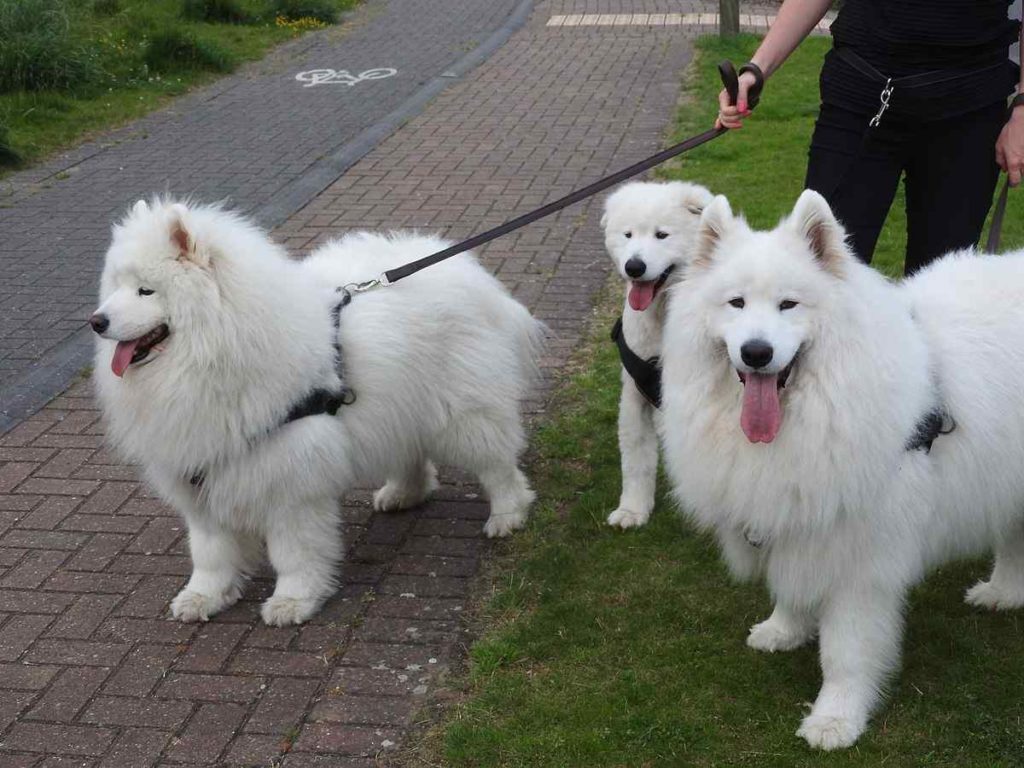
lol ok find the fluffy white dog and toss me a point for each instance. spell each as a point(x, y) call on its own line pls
point(649, 230)
point(215, 345)
point(802, 391)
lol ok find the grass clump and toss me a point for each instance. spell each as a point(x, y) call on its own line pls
point(220, 11)
point(106, 7)
point(325, 11)
point(174, 50)
point(9, 157)
point(39, 49)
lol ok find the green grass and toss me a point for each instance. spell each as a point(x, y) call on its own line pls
point(610, 648)
point(325, 11)
point(176, 50)
point(8, 157)
point(39, 48)
point(224, 11)
point(88, 65)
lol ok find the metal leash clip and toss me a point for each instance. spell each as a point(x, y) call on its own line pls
point(884, 96)
point(381, 281)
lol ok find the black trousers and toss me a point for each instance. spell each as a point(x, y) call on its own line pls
point(948, 165)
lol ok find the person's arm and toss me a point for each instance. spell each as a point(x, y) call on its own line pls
point(1010, 145)
point(795, 21)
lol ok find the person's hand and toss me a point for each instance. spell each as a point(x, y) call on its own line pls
point(731, 115)
point(1010, 146)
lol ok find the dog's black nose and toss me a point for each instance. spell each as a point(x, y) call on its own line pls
point(635, 267)
point(756, 353)
point(99, 322)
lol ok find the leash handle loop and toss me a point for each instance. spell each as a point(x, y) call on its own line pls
point(731, 81)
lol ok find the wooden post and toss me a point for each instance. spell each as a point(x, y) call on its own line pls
point(728, 18)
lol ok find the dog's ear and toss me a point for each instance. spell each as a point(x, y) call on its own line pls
point(182, 238)
point(140, 208)
point(813, 220)
point(714, 223)
point(696, 199)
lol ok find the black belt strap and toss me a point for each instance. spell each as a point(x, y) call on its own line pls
point(935, 77)
point(646, 374)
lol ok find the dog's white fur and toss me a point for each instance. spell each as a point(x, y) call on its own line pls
point(846, 518)
point(642, 210)
point(438, 362)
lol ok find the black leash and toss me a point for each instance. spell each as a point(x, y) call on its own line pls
point(730, 79)
point(394, 275)
point(995, 230)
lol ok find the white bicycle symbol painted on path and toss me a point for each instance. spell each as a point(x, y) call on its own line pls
point(342, 76)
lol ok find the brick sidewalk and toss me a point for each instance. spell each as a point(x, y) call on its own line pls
point(91, 671)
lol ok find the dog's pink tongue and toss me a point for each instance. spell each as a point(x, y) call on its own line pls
point(641, 294)
point(123, 356)
point(762, 414)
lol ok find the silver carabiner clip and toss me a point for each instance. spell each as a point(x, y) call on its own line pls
point(884, 97)
point(368, 285)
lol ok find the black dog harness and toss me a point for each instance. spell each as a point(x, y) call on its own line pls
point(930, 426)
point(325, 401)
point(317, 402)
point(646, 374)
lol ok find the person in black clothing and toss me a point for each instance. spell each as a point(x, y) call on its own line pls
point(916, 88)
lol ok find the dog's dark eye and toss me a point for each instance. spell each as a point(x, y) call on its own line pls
point(787, 304)
point(661, 235)
point(738, 302)
point(628, 235)
point(145, 291)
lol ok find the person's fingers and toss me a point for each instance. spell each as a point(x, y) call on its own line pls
point(731, 115)
point(1014, 168)
point(741, 100)
point(747, 81)
point(1001, 155)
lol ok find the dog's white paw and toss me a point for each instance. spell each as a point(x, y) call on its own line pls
point(281, 611)
point(830, 732)
point(194, 606)
point(771, 636)
point(627, 518)
point(392, 498)
point(994, 597)
point(501, 525)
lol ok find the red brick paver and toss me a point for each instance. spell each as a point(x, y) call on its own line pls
point(91, 671)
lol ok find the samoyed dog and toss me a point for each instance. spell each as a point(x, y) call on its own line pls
point(254, 397)
point(649, 230)
point(841, 434)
